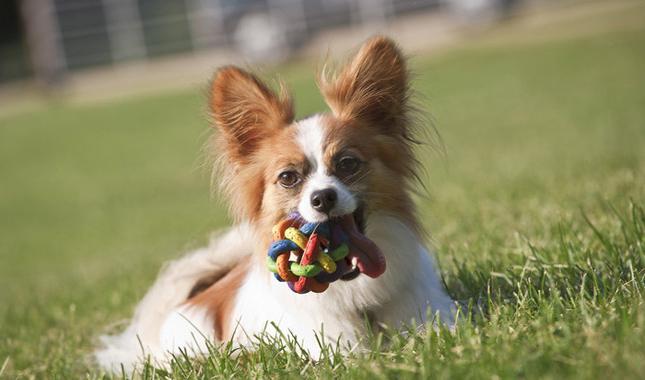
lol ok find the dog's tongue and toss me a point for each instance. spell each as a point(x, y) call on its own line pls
point(369, 258)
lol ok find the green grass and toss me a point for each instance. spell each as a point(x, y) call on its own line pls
point(536, 212)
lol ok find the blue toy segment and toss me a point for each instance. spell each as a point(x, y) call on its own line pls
point(308, 228)
point(280, 246)
point(277, 277)
point(322, 229)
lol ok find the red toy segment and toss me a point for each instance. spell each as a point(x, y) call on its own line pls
point(318, 287)
point(309, 256)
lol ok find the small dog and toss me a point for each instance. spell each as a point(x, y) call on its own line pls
point(356, 161)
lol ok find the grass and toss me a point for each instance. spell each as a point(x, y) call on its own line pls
point(536, 211)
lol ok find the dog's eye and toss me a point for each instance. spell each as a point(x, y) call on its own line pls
point(288, 179)
point(347, 165)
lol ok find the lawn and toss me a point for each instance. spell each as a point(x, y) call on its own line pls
point(535, 202)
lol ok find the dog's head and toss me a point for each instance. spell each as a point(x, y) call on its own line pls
point(357, 159)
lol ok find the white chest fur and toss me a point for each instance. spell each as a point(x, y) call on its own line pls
point(406, 290)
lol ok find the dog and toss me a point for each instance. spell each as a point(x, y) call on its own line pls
point(354, 163)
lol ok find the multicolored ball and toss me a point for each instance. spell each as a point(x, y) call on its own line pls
point(308, 256)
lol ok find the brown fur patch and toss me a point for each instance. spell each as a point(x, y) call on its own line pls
point(247, 114)
point(246, 110)
point(278, 154)
point(370, 101)
point(373, 86)
point(385, 180)
point(219, 298)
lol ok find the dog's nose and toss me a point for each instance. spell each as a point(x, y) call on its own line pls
point(324, 200)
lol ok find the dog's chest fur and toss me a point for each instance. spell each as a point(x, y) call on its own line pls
point(346, 310)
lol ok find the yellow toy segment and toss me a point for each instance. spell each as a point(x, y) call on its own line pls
point(296, 236)
point(327, 263)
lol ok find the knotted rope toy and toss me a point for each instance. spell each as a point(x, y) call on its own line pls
point(321, 253)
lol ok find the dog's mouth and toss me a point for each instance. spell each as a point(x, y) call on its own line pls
point(352, 264)
point(360, 219)
point(364, 255)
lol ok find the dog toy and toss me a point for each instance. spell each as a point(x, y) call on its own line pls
point(319, 250)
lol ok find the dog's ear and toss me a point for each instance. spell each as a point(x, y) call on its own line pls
point(246, 110)
point(373, 86)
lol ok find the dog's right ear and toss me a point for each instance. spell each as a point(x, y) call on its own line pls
point(372, 86)
point(246, 110)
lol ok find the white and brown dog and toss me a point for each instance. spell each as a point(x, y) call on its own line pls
point(356, 160)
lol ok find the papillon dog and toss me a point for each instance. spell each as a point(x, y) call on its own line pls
point(354, 163)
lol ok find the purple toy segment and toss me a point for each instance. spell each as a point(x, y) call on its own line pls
point(338, 236)
point(296, 216)
point(341, 268)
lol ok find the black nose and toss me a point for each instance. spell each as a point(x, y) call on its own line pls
point(324, 200)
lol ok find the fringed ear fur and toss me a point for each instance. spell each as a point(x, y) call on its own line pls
point(373, 86)
point(246, 111)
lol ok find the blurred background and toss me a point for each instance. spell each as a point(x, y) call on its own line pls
point(48, 43)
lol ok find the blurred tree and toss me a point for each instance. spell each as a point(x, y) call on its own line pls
point(13, 53)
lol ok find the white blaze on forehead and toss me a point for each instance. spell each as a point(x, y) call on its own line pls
point(311, 136)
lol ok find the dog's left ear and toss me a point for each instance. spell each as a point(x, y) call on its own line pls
point(246, 111)
point(373, 86)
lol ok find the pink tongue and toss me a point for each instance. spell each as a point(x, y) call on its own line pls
point(369, 258)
